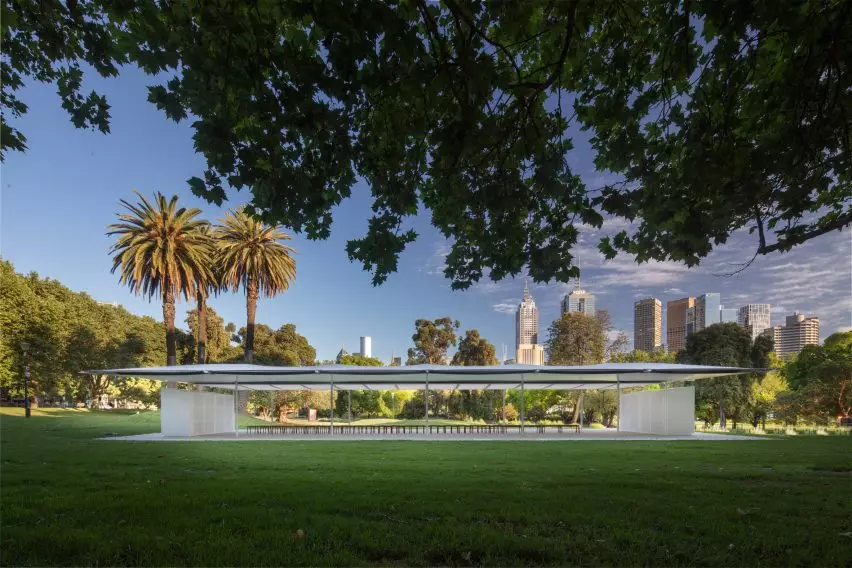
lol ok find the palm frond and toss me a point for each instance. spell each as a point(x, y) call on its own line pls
point(161, 248)
point(250, 251)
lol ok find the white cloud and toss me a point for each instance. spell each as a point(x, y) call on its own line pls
point(505, 308)
point(844, 329)
point(437, 261)
point(674, 291)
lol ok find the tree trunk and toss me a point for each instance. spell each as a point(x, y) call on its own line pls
point(577, 408)
point(251, 308)
point(722, 422)
point(202, 328)
point(169, 322)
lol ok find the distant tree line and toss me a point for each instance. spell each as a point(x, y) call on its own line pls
point(67, 332)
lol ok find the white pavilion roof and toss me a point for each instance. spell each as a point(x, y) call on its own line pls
point(415, 377)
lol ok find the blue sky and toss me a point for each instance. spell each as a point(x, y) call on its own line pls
point(59, 197)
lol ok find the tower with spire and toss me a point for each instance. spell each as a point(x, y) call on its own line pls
point(526, 331)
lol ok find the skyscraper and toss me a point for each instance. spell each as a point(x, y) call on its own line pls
point(526, 321)
point(530, 354)
point(708, 309)
point(797, 332)
point(647, 324)
point(579, 301)
point(676, 320)
point(366, 346)
point(755, 318)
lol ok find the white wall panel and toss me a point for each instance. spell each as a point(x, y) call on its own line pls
point(193, 413)
point(665, 411)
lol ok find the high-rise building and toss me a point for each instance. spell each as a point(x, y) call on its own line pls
point(366, 346)
point(676, 320)
point(755, 318)
point(707, 311)
point(396, 361)
point(530, 354)
point(579, 301)
point(526, 321)
point(647, 324)
point(797, 332)
point(728, 315)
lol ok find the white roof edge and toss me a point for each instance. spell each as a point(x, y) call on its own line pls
point(215, 372)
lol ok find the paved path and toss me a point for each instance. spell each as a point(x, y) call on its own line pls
point(586, 436)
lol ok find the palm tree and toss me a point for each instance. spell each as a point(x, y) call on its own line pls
point(205, 283)
point(161, 250)
point(251, 257)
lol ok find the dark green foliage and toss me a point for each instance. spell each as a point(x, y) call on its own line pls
point(709, 116)
point(360, 361)
point(49, 41)
point(821, 378)
point(431, 341)
point(639, 356)
point(474, 350)
point(69, 332)
point(730, 345)
point(283, 346)
point(576, 339)
point(219, 348)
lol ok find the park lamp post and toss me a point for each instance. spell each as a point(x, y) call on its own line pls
point(25, 347)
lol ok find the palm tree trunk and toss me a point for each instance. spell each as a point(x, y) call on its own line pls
point(169, 322)
point(202, 328)
point(251, 308)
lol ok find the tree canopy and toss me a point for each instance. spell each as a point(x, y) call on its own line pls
point(68, 332)
point(821, 377)
point(474, 350)
point(431, 340)
point(726, 344)
point(219, 348)
point(576, 339)
point(283, 346)
point(360, 361)
point(705, 118)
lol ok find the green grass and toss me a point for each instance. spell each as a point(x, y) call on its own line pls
point(69, 499)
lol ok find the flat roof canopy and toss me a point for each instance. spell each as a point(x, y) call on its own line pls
point(416, 377)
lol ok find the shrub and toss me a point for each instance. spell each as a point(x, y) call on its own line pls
point(511, 412)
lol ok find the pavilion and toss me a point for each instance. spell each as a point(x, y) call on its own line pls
point(669, 411)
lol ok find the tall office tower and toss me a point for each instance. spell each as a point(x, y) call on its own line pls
point(647, 324)
point(579, 301)
point(676, 320)
point(530, 354)
point(366, 346)
point(797, 332)
point(707, 311)
point(526, 321)
point(755, 318)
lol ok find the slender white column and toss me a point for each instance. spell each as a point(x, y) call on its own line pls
point(618, 402)
point(237, 407)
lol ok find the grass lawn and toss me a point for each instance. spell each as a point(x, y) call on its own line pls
point(72, 500)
